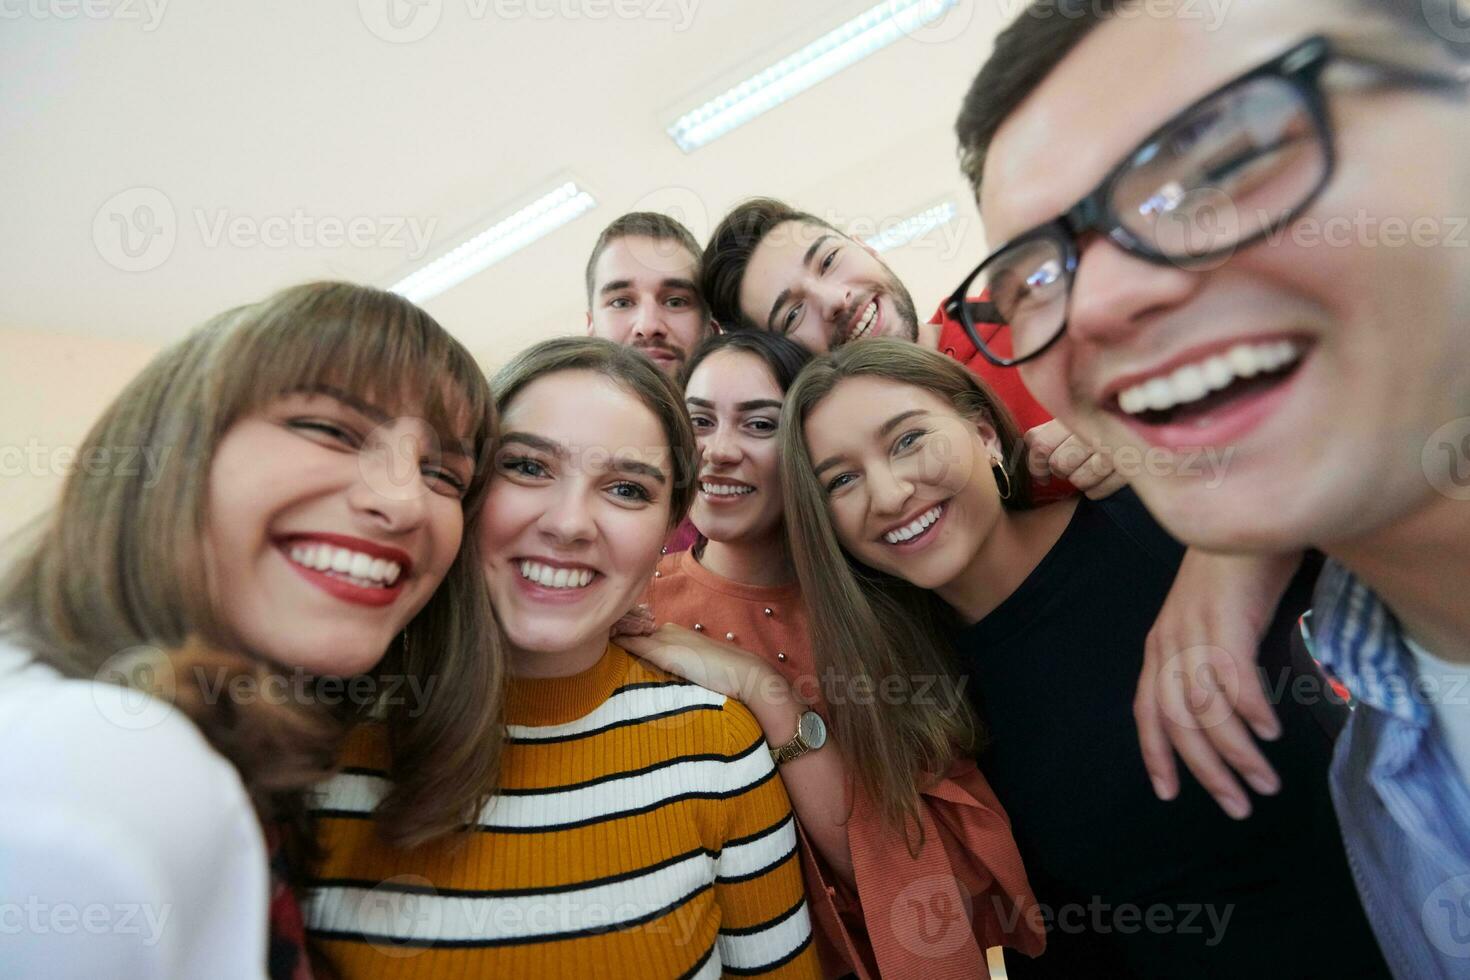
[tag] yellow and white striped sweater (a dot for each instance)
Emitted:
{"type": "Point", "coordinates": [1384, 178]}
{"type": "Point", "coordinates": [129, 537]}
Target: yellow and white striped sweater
{"type": "Point", "coordinates": [641, 832]}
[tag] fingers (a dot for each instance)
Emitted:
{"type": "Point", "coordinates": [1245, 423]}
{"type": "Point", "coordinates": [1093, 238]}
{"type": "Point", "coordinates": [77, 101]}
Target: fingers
{"type": "Point", "coordinates": [1198, 694]}
{"type": "Point", "coordinates": [1252, 705]}
{"type": "Point", "coordinates": [1097, 477]}
{"type": "Point", "coordinates": [1179, 701]}
{"type": "Point", "coordinates": [637, 621]}
{"type": "Point", "coordinates": [1158, 751]}
{"type": "Point", "coordinates": [1041, 444]}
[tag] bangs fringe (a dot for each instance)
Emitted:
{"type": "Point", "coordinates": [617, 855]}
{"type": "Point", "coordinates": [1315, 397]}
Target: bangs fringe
{"type": "Point", "coordinates": [361, 340]}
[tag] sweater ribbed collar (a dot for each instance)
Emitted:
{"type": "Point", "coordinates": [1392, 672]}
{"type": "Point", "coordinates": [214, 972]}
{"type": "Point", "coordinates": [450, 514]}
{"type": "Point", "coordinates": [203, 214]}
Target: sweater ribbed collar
{"type": "Point", "coordinates": [541, 701]}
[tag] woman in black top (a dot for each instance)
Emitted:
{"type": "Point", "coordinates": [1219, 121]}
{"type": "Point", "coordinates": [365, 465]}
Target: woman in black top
{"type": "Point", "coordinates": [916, 551]}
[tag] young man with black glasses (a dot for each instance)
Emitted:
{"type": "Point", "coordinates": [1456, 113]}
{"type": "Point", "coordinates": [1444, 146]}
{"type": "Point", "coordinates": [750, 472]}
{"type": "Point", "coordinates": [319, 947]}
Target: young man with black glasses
{"type": "Point", "coordinates": [1252, 240]}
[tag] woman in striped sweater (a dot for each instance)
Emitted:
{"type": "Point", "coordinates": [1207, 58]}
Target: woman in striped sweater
{"type": "Point", "coordinates": [639, 829]}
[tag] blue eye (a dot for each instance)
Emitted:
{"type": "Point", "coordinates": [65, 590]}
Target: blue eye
{"type": "Point", "coordinates": [908, 439]}
{"type": "Point", "coordinates": [838, 482]}
{"type": "Point", "coordinates": [522, 466]}
{"type": "Point", "coordinates": [635, 491]}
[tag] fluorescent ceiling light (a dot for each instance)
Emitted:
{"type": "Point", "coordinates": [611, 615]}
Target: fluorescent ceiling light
{"type": "Point", "coordinates": [912, 227]}
{"type": "Point", "coordinates": [507, 236]}
{"type": "Point", "coordinates": [866, 33]}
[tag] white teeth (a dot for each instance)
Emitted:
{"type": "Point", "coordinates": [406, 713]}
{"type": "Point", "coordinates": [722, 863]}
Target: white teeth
{"type": "Point", "coordinates": [555, 578]}
{"type": "Point", "coordinates": [724, 489]}
{"type": "Point", "coordinates": [1191, 382]}
{"type": "Point", "coordinates": [866, 323]}
{"type": "Point", "coordinates": [361, 569]}
{"type": "Point", "coordinates": [916, 527]}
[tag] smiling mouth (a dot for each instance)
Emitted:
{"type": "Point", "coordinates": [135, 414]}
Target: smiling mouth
{"type": "Point", "coordinates": [864, 322]}
{"type": "Point", "coordinates": [726, 491]}
{"type": "Point", "coordinates": [549, 577]}
{"type": "Point", "coordinates": [917, 528]}
{"type": "Point", "coordinates": [1196, 390]}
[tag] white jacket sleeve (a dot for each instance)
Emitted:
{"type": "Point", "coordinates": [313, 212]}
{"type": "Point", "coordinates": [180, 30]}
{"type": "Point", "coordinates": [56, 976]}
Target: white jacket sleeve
{"type": "Point", "coordinates": [128, 847]}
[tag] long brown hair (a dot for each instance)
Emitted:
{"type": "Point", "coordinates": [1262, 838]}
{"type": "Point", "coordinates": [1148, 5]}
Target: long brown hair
{"type": "Point", "coordinates": [869, 626]}
{"type": "Point", "coordinates": [119, 564]}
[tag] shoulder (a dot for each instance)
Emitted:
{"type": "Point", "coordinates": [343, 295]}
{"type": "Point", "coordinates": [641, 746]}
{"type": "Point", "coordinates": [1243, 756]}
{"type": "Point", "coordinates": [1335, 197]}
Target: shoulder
{"type": "Point", "coordinates": [1126, 515]}
{"type": "Point", "coordinates": [103, 755]}
{"type": "Point", "coordinates": [113, 797]}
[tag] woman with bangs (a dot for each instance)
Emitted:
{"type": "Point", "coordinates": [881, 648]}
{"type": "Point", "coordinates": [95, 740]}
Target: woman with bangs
{"type": "Point", "coordinates": [736, 591]}
{"type": "Point", "coordinates": [916, 548]}
{"type": "Point", "coordinates": [182, 645]}
{"type": "Point", "coordinates": [638, 829]}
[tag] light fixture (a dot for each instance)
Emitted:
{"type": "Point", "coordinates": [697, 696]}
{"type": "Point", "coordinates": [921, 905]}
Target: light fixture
{"type": "Point", "coordinates": [505, 237]}
{"type": "Point", "coordinates": [912, 227]}
{"type": "Point", "coordinates": [870, 31]}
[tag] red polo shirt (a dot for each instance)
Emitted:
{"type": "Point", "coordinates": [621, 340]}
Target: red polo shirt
{"type": "Point", "coordinates": [1005, 382]}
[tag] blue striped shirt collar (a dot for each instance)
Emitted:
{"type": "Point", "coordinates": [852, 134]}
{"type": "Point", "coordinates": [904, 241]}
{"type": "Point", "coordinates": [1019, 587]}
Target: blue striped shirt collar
{"type": "Point", "coordinates": [1358, 639]}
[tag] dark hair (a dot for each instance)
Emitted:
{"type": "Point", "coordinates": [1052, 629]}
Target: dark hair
{"type": "Point", "coordinates": [730, 247]}
{"type": "Point", "coordinates": [784, 356]}
{"type": "Point", "coordinates": [1043, 34]}
{"type": "Point", "coordinates": [635, 374]}
{"type": "Point", "coordinates": [641, 224]}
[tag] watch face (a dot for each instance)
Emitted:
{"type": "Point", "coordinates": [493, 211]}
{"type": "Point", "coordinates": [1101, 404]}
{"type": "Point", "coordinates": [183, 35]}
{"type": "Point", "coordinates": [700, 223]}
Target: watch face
{"type": "Point", "coordinates": [813, 729]}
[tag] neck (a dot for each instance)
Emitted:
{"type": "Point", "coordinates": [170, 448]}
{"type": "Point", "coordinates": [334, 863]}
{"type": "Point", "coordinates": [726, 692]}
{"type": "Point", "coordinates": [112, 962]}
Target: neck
{"type": "Point", "coordinates": [750, 561]}
{"type": "Point", "coordinates": [929, 335]}
{"type": "Point", "coordinates": [1419, 566]}
{"type": "Point", "coordinates": [1008, 554]}
{"type": "Point", "coordinates": [542, 664]}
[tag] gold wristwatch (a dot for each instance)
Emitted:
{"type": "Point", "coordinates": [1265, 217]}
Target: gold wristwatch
{"type": "Point", "coordinates": [811, 734]}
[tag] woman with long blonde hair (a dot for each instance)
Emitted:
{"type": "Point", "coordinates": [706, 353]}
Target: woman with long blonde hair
{"type": "Point", "coordinates": [260, 544]}
{"type": "Point", "coordinates": [916, 550]}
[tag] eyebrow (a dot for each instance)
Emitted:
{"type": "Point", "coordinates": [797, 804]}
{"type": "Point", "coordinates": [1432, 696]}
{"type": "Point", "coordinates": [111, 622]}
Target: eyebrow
{"type": "Point", "coordinates": [749, 406]}
{"type": "Point", "coordinates": [886, 428]}
{"type": "Point", "coordinates": [620, 284]}
{"type": "Point", "coordinates": [560, 452]}
{"type": "Point", "coordinates": [785, 294]}
{"type": "Point", "coordinates": [447, 445]}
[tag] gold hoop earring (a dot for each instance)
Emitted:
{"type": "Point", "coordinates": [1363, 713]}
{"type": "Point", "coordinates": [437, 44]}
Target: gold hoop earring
{"type": "Point", "coordinates": [1003, 477]}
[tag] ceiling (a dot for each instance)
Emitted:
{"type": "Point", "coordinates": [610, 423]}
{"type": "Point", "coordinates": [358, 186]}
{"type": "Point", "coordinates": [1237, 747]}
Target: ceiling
{"type": "Point", "coordinates": [267, 143]}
